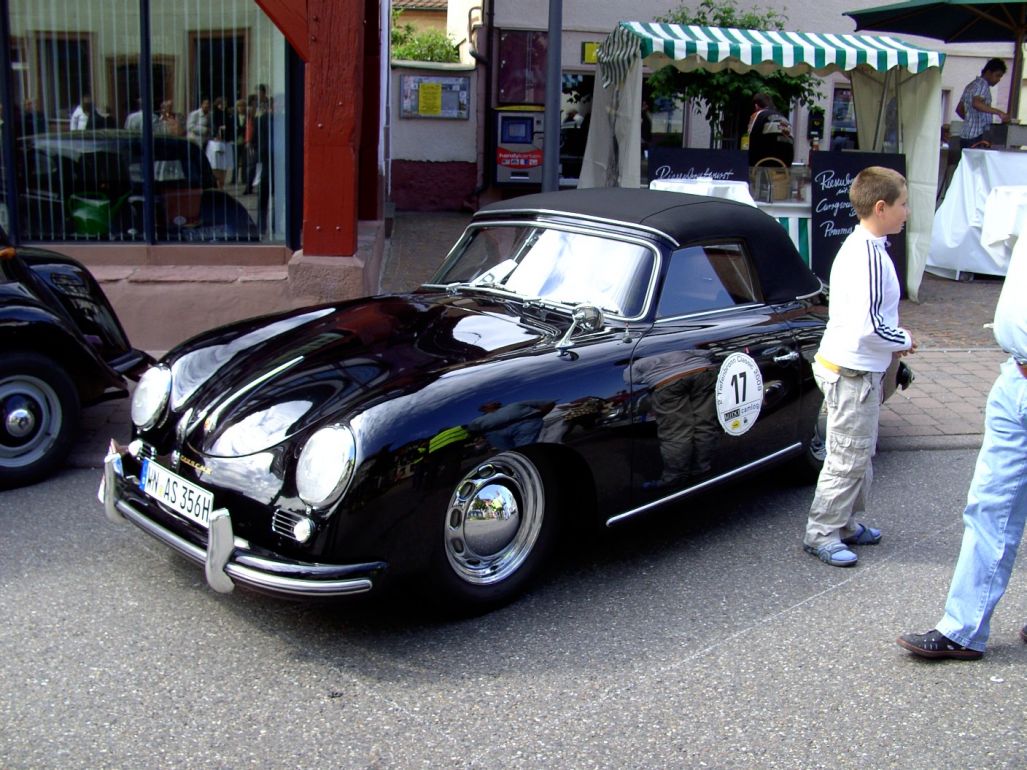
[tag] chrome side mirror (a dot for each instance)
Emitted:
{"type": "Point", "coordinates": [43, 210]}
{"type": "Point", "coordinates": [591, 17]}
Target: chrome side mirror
{"type": "Point", "coordinates": [588, 318]}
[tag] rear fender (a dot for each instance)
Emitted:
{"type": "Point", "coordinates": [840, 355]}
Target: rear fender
{"type": "Point", "coordinates": [35, 328]}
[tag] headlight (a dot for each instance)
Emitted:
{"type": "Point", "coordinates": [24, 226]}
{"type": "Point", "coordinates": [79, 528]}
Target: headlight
{"type": "Point", "coordinates": [326, 465]}
{"type": "Point", "coordinates": [151, 396]}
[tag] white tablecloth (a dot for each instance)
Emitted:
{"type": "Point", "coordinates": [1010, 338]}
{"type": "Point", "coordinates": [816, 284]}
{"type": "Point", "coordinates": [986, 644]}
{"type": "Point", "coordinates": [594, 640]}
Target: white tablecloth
{"type": "Point", "coordinates": [957, 244]}
{"type": "Point", "coordinates": [736, 191]}
{"type": "Point", "coordinates": [1005, 216]}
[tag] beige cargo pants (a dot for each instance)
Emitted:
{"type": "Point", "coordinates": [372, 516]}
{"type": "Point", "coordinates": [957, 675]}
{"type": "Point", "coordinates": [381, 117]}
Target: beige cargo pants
{"type": "Point", "coordinates": [853, 411]}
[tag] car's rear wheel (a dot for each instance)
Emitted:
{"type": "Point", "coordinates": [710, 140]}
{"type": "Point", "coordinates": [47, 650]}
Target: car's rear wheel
{"type": "Point", "coordinates": [39, 414]}
{"type": "Point", "coordinates": [815, 450]}
{"type": "Point", "coordinates": [499, 526]}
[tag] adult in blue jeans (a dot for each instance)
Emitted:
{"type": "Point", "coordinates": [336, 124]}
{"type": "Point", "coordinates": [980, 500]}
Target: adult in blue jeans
{"type": "Point", "coordinates": [996, 505]}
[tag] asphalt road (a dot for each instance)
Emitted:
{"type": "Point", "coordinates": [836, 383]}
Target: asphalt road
{"type": "Point", "coordinates": [689, 639]}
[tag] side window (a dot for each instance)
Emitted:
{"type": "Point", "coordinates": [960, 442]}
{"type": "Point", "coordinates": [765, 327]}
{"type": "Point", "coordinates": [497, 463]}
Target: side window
{"type": "Point", "coordinates": [709, 277]}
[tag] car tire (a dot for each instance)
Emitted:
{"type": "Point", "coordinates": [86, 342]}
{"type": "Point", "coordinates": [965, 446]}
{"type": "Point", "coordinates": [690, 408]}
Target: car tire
{"type": "Point", "coordinates": [486, 559]}
{"type": "Point", "coordinates": [39, 409]}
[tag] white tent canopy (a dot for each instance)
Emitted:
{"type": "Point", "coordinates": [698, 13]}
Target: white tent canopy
{"type": "Point", "coordinates": [880, 68]}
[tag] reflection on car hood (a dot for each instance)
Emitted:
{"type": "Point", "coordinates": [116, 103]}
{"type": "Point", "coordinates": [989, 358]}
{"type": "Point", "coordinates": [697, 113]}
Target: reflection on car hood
{"type": "Point", "coordinates": [245, 388]}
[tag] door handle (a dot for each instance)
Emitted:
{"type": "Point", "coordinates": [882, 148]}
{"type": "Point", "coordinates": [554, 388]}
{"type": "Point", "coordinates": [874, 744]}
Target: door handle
{"type": "Point", "coordinates": [785, 358]}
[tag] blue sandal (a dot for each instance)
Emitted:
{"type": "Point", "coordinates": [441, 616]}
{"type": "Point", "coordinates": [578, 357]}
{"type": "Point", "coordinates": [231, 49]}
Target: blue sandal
{"type": "Point", "coordinates": [865, 536]}
{"type": "Point", "coordinates": [835, 554]}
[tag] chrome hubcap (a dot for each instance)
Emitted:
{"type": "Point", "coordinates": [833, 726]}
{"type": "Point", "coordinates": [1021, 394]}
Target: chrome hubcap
{"type": "Point", "coordinates": [30, 420]}
{"type": "Point", "coordinates": [20, 421]}
{"type": "Point", "coordinates": [494, 519]}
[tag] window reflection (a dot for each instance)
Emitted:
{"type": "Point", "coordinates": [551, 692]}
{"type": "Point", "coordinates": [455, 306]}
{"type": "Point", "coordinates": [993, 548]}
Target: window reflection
{"type": "Point", "coordinates": [215, 77]}
{"type": "Point", "coordinates": [556, 265]}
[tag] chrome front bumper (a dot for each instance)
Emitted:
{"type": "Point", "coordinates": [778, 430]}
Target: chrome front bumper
{"type": "Point", "coordinates": [227, 560]}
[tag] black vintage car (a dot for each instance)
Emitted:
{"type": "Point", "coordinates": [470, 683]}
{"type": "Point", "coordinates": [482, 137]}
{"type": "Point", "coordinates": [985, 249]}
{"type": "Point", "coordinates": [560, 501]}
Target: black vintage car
{"type": "Point", "coordinates": [88, 185]}
{"type": "Point", "coordinates": [578, 359]}
{"type": "Point", "coordinates": [61, 347]}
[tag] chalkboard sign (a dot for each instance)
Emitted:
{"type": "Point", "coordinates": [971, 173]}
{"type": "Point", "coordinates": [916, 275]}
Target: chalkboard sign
{"type": "Point", "coordinates": [692, 163]}
{"type": "Point", "coordinates": [833, 217]}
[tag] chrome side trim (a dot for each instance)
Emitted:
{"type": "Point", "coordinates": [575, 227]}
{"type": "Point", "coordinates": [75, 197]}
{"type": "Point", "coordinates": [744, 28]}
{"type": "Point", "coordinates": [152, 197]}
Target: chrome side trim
{"type": "Point", "coordinates": [709, 482]}
{"type": "Point", "coordinates": [562, 216]}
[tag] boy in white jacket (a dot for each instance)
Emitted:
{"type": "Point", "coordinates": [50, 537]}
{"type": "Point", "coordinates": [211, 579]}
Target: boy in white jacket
{"type": "Point", "coordinates": [861, 337]}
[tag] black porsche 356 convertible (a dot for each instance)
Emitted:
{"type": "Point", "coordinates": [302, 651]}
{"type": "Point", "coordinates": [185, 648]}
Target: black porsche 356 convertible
{"type": "Point", "coordinates": [578, 359]}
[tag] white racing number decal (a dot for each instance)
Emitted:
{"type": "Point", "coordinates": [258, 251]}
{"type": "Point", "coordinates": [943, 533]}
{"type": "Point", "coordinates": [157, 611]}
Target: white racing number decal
{"type": "Point", "coordinates": [739, 393]}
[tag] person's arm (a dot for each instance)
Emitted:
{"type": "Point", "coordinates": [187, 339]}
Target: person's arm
{"type": "Point", "coordinates": [883, 335]}
{"type": "Point", "coordinates": [982, 106]}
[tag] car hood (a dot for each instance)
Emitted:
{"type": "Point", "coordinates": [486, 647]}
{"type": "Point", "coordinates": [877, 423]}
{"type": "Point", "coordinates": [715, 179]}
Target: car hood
{"type": "Point", "coordinates": [245, 388]}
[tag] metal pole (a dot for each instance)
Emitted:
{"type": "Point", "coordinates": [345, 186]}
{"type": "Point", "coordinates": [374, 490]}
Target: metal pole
{"type": "Point", "coordinates": [554, 91]}
{"type": "Point", "coordinates": [10, 125]}
{"type": "Point", "coordinates": [149, 234]}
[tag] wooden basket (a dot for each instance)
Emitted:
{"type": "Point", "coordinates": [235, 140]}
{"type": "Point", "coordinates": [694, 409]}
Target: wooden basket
{"type": "Point", "coordinates": [770, 180]}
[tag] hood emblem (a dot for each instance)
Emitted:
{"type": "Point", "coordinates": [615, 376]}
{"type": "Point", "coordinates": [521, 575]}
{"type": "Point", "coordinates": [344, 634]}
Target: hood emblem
{"type": "Point", "coordinates": [199, 467]}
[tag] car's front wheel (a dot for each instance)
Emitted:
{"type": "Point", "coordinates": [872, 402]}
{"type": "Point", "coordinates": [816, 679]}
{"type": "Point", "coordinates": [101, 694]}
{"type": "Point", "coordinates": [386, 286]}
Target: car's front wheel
{"type": "Point", "coordinates": [39, 414]}
{"type": "Point", "coordinates": [499, 526]}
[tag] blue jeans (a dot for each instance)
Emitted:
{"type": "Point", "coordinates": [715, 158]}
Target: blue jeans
{"type": "Point", "coordinates": [996, 508]}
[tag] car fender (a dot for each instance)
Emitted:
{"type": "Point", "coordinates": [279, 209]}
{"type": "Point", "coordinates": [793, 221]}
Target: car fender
{"type": "Point", "coordinates": [431, 438]}
{"type": "Point", "coordinates": [29, 325]}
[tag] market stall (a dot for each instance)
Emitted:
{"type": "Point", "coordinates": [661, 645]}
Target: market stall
{"type": "Point", "coordinates": [887, 76]}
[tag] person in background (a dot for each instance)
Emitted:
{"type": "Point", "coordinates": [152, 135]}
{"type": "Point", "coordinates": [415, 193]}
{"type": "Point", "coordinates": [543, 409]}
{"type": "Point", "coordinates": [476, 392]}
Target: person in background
{"type": "Point", "coordinates": [975, 104]}
{"type": "Point", "coordinates": [263, 140]}
{"type": "Point", "coordinates": [647, 127]}
{"type": "Point", "coordinates": [32, 120]}
{"type": "Point", "coordinates": [218, 117]}
{"type": "Point", "coordinates": [236, 125]}
{"type": "Point", "coordinates": [198, 125]}
{"type": "Point", "coordinates": [861, 337]}
{"type": "Point", "coordinates": [169, 122]}
{"type": "Point", "coordinates": [84, 116]}
{"type": "Point", "coordinates": [770, 132]}
{"type": "Point", "coordinates": [996, 504]}
{"type": "Point", "coordinates": [134, 121]}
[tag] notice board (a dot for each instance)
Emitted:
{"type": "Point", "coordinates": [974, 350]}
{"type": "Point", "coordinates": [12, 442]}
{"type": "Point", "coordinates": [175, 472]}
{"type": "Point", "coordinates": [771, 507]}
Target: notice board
{"type": "Point", "coordinates": [693, 163]}
{"type": "Point", "coordinates": [833, 217]}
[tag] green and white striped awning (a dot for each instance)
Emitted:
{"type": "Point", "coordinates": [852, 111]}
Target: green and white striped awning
{"type": "Point", "coordinates": [690, 47]}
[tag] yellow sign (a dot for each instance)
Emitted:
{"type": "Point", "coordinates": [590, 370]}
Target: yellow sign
{"type": "Point", "coordinates": [429, 99]}
{"type": "Point", "coordinates": [588, 52]}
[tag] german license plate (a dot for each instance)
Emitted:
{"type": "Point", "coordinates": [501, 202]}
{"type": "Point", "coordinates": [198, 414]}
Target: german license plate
{"type": "Point", "coordinates": [181, 496]}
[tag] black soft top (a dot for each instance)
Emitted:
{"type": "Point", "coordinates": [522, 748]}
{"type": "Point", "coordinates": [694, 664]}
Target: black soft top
{"type": "Point", "coordinates": [683, 219]}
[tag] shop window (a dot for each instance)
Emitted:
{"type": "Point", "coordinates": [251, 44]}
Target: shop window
{"type": "Point", "coordinates": [843, 120]}
{"type": "Point", "coordinates": [216, 77]}
{"type": "Point", "coordinates": [64, 73]}
{"type": "Point", "coordinates": [522, 71]}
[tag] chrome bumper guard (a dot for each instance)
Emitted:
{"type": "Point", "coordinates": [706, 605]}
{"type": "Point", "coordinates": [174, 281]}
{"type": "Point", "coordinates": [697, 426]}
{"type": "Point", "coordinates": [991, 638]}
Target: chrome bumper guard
{"type": "Point", "coordinates": [225, 561]}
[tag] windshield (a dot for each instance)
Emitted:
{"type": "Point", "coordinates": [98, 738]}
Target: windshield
{"type": "Point", "coordinates": [556, 265]}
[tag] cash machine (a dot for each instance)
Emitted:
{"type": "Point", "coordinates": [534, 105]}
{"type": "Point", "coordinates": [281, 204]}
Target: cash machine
{"type": "Point", "coordinates": [519, 146]}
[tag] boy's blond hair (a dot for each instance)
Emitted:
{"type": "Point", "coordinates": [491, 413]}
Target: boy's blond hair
{"type": "Point", "coordinates": [873, 184]}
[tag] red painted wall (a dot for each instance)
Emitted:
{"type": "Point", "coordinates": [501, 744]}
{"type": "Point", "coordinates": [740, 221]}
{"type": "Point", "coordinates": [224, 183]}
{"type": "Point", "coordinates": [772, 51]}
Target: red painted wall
{"type": "Point", "coordinates": [428, 186]}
